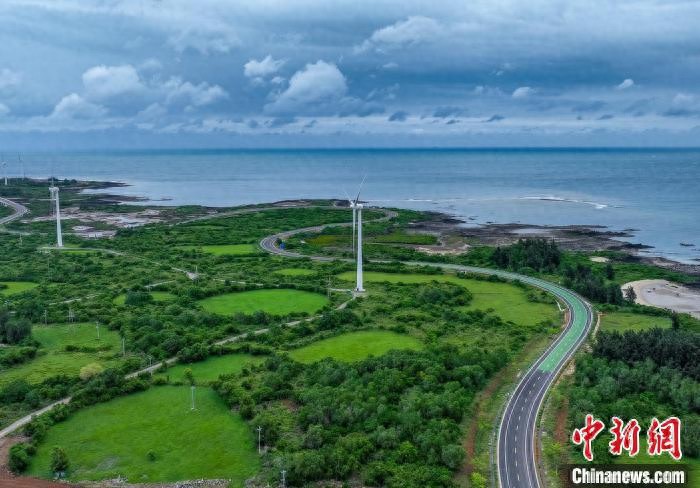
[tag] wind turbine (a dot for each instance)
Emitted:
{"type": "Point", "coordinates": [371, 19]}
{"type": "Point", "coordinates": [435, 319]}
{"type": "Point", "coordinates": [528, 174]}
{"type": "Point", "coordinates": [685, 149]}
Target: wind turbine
{"type": "Point", "coordinates": [3, 163]}
{"type": "Point", "coordinates": [21, 163]}
{"type": "Point", "coordinates": [53, 190]}
{"type": "Point", "coordinates": [357, 210]}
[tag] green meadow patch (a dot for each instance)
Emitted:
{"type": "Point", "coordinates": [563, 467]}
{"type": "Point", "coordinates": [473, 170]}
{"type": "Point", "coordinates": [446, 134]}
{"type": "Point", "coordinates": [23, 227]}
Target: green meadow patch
{"type": "Point", "coordinates": [226, 249]}
{"type": "Point", "coordinates": [279, 301]}
{"type": "Point", "coordinates": [355, 346]}
{"type": "Point", "coordinates": [64, 350]}
{"type": "Point", "coordinates": [158, 296]}
{"type": "Point", "coordinates": [14, 287]}
{"type": "Point", "coordinates": [508, 301]}
{"type": "Point", "coordinates": [622, 321]}
{"type": "Point", "coordinates": [295, 272]}
{"type": "Point", "coordinates": [153, 436]}
{"type": "Point", "coordinates": [211, 368]}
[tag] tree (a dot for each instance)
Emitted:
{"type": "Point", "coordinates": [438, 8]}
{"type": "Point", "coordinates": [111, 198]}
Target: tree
{"type": "Point", "coordinates": [59, 460]}
{"type": "Point", "coordinates": [19, 458]}
{"type": "Point", "coordinates": [609, 271]}
{"type": "Point", "coordinates": [14, 330]}
{"type": "Point", "coordinates": [630, 294]}
{"type": "Point", "coordinates": [90, 371]}
{"type": "Point", "coordinates": [189, 375]}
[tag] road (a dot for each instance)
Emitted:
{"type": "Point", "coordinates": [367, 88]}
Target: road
{"type": "Point", "coordinates": [517, 448]}
{"type": "Point", "coordinates": [19, 209]}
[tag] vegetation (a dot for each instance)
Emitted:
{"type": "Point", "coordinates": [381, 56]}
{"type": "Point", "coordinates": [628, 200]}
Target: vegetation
{"type": "Point", "coordinates": [275, 302]}
{"type": "Point", "coordinates": [624, 321]}
{"type": "Point", "coordinates": [391, 420]}
{"type": "Point", "coordinates": [185, 444]}
{"type": "Point", "coordinates": [355, 346]}
{"type": "Point", "coordinates": [211, 368]}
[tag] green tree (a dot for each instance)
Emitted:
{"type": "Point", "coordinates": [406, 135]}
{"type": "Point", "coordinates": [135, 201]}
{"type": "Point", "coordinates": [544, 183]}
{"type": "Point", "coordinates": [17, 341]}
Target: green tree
{"type": "Point", "coordinates": [59, 460]}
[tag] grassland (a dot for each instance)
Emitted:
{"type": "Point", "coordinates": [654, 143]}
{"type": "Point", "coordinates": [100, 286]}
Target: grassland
{"type": "Point", "coordinates": [114, 439]}
{"type": "Point", "coordinates": [15, 287]}
{"type": "Point", "coordinates": [355, 346]}
{"type": "Point", "coordinates": [53, 359]}
{"type": "Point", "coordinates": [158, 296]}
{"type": "Point", "coordinates": [507, 301]}
{"type": "Point", "coordinates": [226, 249]}
{"type": "Point", "coordinates": [272, 301]}
{"type": "Point", "coordinates": [211, 368]}
{"type": "Point", "coordinates": [621, 322]}
{"type": "Point", "coordinates": [295, 272]}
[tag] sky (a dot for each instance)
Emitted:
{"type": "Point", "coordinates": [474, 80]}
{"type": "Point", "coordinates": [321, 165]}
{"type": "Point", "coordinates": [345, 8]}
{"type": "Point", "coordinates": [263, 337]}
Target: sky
{"type": "Point", "coordinates": [111, 74]}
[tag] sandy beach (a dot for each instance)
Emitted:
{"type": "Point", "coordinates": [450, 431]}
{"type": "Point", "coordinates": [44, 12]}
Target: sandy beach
{"type": "Point", "coordinates": [666, 294]}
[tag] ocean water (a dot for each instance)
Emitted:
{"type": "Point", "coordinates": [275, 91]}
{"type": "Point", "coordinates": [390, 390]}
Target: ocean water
{"type": "Point", "coordinates": [655, 192]}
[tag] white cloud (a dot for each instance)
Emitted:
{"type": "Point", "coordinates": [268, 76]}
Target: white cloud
{"type": "Point", "coordinates": [413, 30]}
{"type": "Point", "coordinates": [318, 83]}
{"type": "Point", "coordinates": [263, 68]}
{"type": "Point", "coordinates": [627, 83]}
{"type": "Point", "coordinates": [103, 82]}
{"type": "Point", "coordinates": [178, 91]}
{"type": "Point", "coordinates": [523, 92]}
{"type": "Point", "coordinates": [74, 106]}
{"type": "Point", "coordinates": [9, 78]}
{"type": "Point", "coordinates": [206, 40]}
{"type": "Point", "coordinates": [4, 109]}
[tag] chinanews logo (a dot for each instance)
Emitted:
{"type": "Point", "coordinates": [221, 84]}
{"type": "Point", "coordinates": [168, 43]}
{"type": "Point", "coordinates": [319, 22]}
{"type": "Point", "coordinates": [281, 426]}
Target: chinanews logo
{"type": "Point", "coordinates": [663, 438]}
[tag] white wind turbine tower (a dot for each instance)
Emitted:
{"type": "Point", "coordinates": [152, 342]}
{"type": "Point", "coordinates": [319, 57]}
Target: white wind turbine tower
{"type": "Point", "coordinates": [357, 218]}
{"type": "Point", "coordinates": [3, 163]}
{"type": "Point", "coordinates": [53, 190]}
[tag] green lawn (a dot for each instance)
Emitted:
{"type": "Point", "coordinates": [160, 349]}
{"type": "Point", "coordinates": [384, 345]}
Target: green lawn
{"type": "Point", "coordinates": [158, 296]}
{"type": "Point", "coordinates": [211, 368]}
{"type": "Point", "coordinates": [508, 301]}
{"type": "Point", "coordinates": [621, 322]}
{"type": "Point", "coordinates": [295, 272]}
{"type": "Point", "coordinates": [355, 346]}
{"type": "Point", "coordinates": [273, 301]}
{"type": "Point", "coordinates": [15, 287]}
{"type": "Point", "coordinates": [114, 438]}
{"type": "Point", "coordinates": [52, 358]}
{"type": "Point", "coordinates": [226, 249]}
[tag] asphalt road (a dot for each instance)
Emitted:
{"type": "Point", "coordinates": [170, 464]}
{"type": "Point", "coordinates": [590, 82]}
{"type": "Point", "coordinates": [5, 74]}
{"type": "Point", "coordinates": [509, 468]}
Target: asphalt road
{"type": "Point", "coordinates": [517, 449]}
{"type": "Point", "coordinates": [19, 209]}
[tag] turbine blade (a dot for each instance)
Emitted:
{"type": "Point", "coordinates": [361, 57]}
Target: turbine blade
{"type": "Point", "coordinates": [360, 189]}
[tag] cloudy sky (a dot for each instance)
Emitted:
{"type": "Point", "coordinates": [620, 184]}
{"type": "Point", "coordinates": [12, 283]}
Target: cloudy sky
{"type": "Point", "coordinates": [274, 73]}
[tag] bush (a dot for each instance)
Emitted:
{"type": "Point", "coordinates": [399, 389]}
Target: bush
{"type": "Point", "coordinates": [19, 457]}
{"type": "Point", "coordinates": [59, 460]}
{"type": "Point", "coordinates": [90, 371]}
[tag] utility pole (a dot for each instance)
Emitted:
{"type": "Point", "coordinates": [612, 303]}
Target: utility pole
{"type": "Point", "coordinates": [259, 429]}
{"type": "Point", "coordinates": [46, 317]}
{"type": "Point", "coordinates": [284, 480]}
{"type": "Point", "coordinates": [71, 315]}
{"type": "Point", "coordinates": [123, 346]}
{"type": "Point", "coordinates": [97, 326]}
{"type": "Point", "coordinates": [193, 405]}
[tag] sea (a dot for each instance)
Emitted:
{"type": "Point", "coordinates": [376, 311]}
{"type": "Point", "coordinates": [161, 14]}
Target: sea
{"type": "Point", "coordinates": [655, 192]}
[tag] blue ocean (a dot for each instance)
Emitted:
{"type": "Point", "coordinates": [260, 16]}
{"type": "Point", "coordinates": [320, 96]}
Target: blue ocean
{"type": "Point", "coordinates": [653, 191]}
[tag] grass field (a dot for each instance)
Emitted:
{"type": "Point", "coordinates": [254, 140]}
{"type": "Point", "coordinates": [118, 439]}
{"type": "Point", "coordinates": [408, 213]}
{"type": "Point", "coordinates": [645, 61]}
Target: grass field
{"type": "Point", "coordinates": [508, 301]}
{"type": "Point", "coordinates": [53, 359]}
{"type": "Point", "coordinates": [295, 272]}
{"type": "Point", "coordinates": [355, 346]}
{"type": "Point", "coordinates": [15, 287]}
{"type": "Point", "coordinates": [226, 249]}
{"type": "Point", "coordinates": [212, 367]}
{"type": "Point", "coordinates": [621, 322]}
{"type": "Point", "coordinates": [158, 296]}
{"type": "Point", "coordinates": [272, 301]}
{"type": "Point", "coordinates": [114, 438]}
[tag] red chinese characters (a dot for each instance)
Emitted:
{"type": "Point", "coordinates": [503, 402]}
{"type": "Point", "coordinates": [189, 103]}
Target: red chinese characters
{"type": "Point", "coordinates": [587, 434]}
{"type": "Point", "coordinates": [625, 437]}
{"type": "Point", "coordinates": [662, 437]}
{"type": "Point", "coordinates": [665, 437]}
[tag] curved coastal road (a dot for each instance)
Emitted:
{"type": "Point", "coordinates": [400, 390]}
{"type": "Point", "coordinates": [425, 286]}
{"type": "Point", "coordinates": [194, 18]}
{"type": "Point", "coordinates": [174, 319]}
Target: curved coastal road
{"type": "Point", "coordinates": [19, 209]}
{"type": "Point", "coordinates": [517, 452]}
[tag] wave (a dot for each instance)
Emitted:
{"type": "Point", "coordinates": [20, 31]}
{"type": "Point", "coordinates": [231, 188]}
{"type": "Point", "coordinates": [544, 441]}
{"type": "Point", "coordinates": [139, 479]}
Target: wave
{"type": "Point", "coordinates": [552, 198]}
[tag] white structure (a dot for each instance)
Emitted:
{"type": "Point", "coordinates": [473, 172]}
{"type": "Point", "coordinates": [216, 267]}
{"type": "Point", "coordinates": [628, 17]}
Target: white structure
{"type": "Point", "coordinates": [54, 198]}
{"type": "Point", "coordinates": [4, 169]}
{"type": "Point", "coordinates": [359, 287]}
